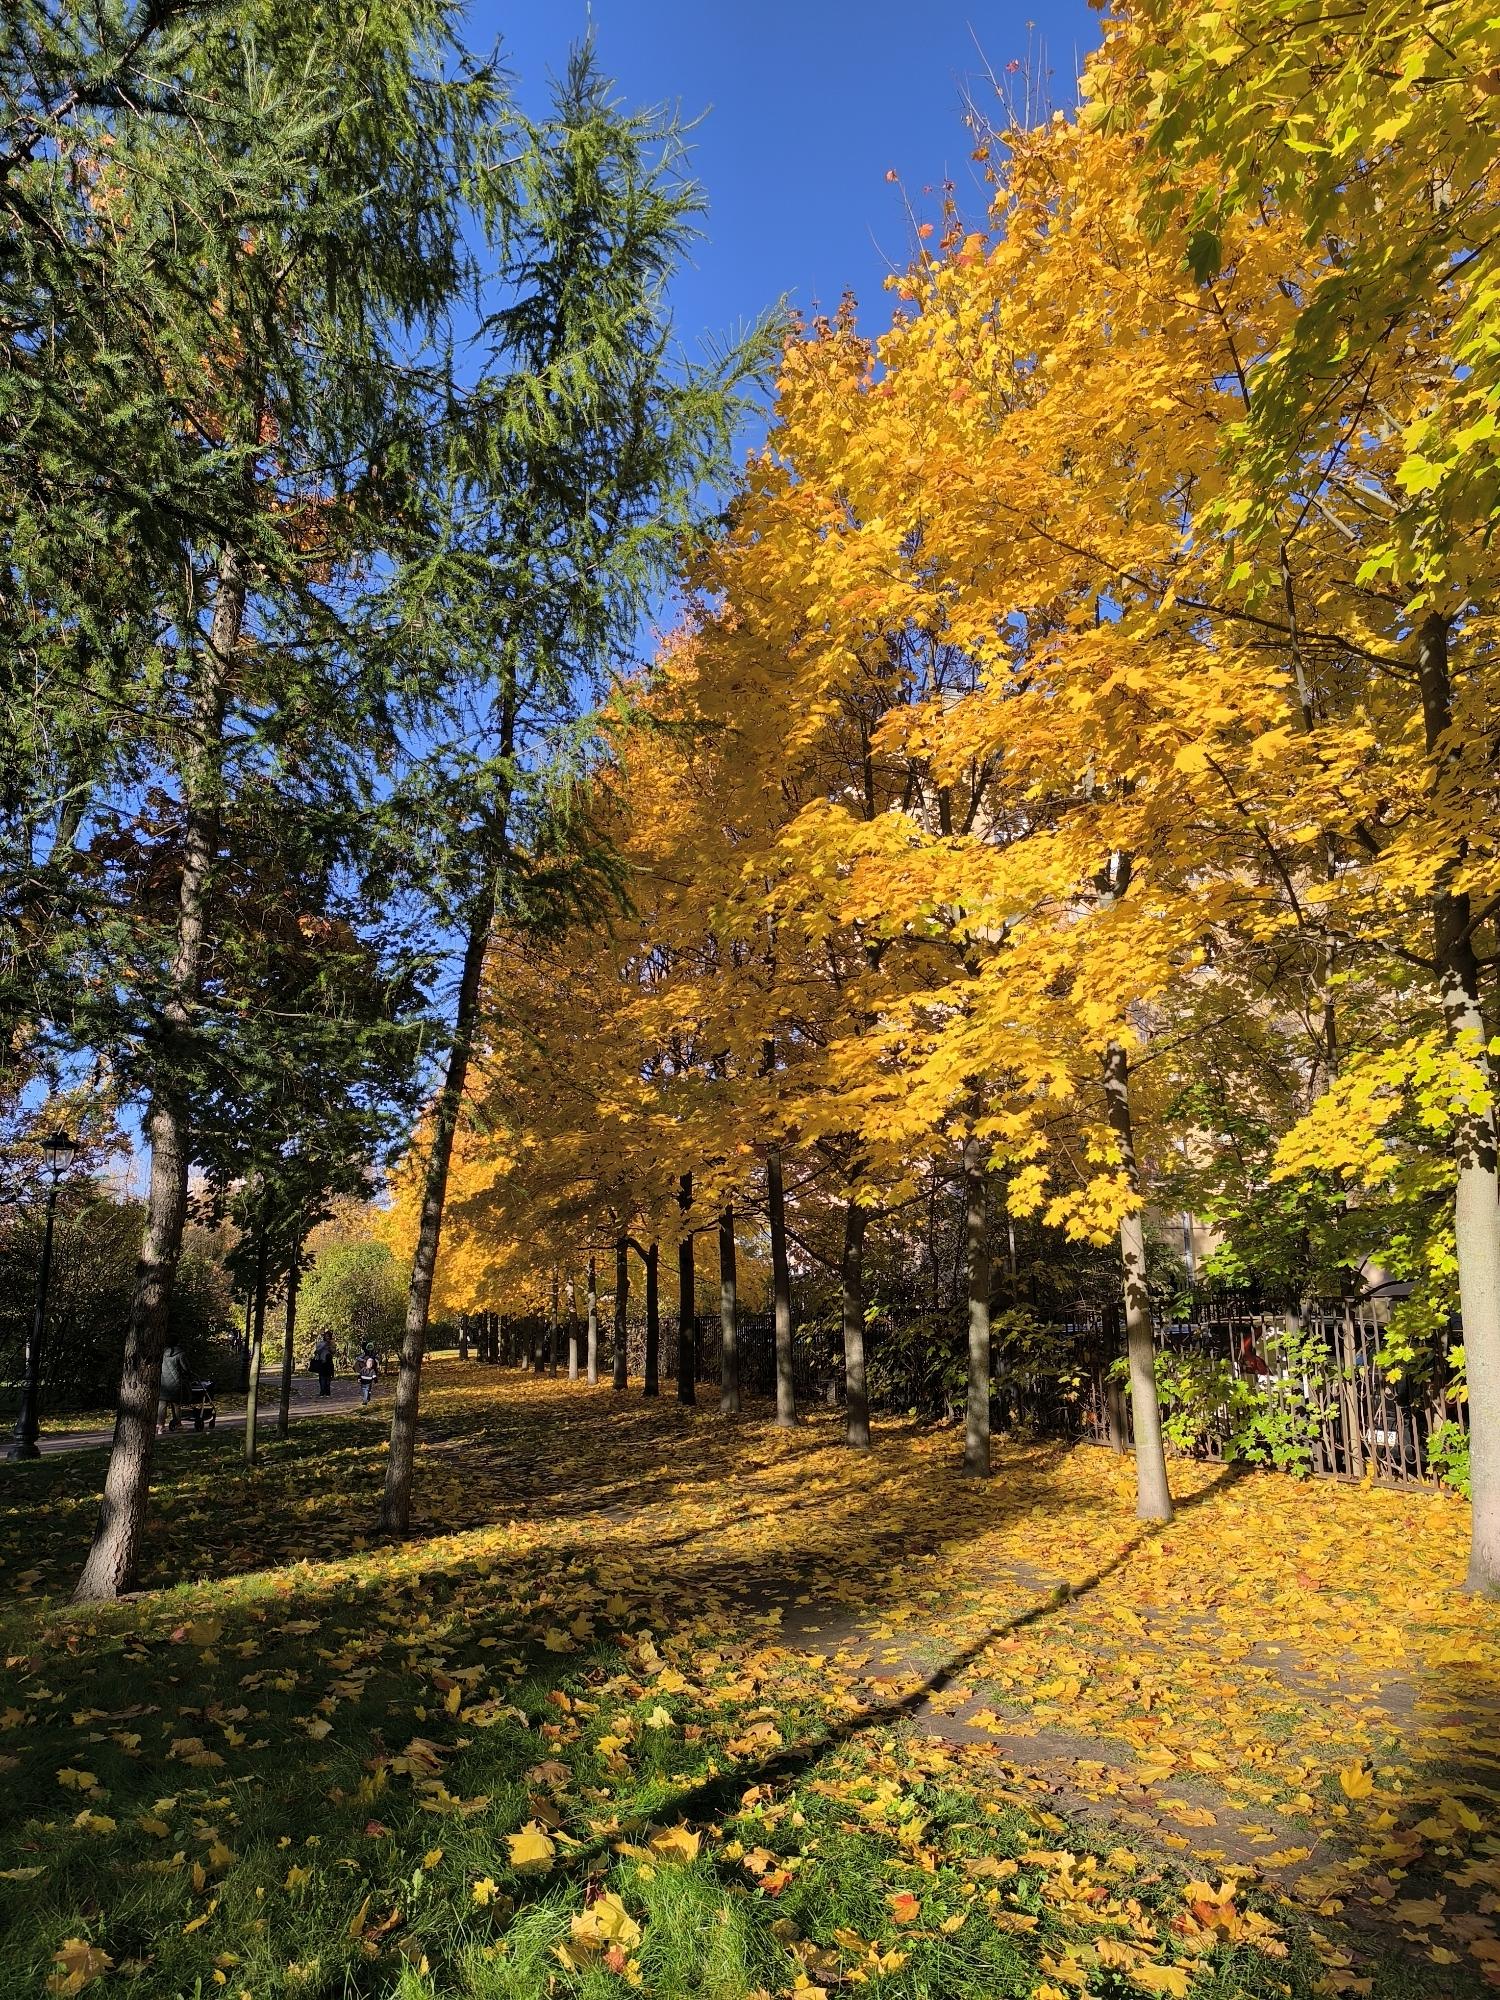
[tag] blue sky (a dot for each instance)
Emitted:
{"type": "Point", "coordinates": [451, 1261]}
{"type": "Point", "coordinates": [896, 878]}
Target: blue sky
{"type": "Point", "coordinates": [805, 105]}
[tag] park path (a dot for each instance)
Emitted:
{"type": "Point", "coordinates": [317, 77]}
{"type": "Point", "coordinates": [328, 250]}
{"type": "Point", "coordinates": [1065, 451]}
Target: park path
{"type": "Point", "coordinates": [345, 1396]}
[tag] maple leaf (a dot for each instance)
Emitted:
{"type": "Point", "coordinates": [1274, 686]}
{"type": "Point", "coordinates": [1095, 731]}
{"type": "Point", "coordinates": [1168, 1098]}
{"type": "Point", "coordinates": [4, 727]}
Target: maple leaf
{"type": "Point", "coordinates": [1171, 1981]}
{"type": "Point", "coordinates": [77, 1963]}
{"type": "Point", "coordinates": [678, 1843]}
{"type": "Point", "coordinates": [531, 1850]}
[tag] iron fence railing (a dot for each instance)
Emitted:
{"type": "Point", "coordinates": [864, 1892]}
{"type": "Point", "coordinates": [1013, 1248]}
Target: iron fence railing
{"type": "Point", "coordinates": [1312, 1363]}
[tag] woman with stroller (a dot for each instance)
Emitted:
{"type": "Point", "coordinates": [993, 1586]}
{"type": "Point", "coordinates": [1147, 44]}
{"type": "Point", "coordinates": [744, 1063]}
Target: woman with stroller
{"type": "Point", "coordinates": [322, 1363]}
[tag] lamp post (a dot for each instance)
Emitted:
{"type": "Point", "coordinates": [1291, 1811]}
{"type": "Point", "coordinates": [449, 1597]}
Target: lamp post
{"type": "Point", "coordinates": [57, 1150]}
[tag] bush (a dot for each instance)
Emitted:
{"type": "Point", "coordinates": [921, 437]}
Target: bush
{"type": "Point", "coordinates": [96, 1241]}
{"type": "Point", "coordinates": [356, 1293]}
{"type": "Point", "coordinates": [1448, 1456]}
{"type": "Point", "coordinates": [1262, 1421]}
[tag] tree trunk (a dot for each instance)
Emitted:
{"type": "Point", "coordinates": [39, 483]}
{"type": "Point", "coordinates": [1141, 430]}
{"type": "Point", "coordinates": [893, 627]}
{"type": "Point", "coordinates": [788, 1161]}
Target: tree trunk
{"type": "Point", "coordinates": [687, 1300]}
{"type": "Point", "coordinates": [552, 1340]}
{"type": "Point", "coordinates": [395, 1512]}
{"type": "Point", "coordinates": [852, 1285]}
{"type": "Point", "coordinates": [288, 1344]}
{"type": "Point", "coordinates": [257, 1351]}
{"type": "Point", "coordinates": [1153, 1495]}
{"type": "Point", "coordinates": [977, 1240]}
{"type": "Point", "coordinates": [572, 1331]}
{"type": "Point", "coordinates": [592, 1350]}
{"type": "Point", "coordinates": [729, 1325]}
{"type": "Point", "coordinates": [245, 1351]}
{"type": "Point", "coordinates": [781, 1290]}
{"type": "Point", "coordinates": [621, 1359]}
{"type": "Point", "coordinates": [1114, 1401]}
{"type": "Point", "coordinates": [1476, 1141]}
{"type": "Point", "coordinates": [110, 1566]}
{"type": "Point", "coordinates": [653, 1326]}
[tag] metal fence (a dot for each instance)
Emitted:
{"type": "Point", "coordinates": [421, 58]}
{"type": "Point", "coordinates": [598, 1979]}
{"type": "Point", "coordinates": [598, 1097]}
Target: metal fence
{"type": "Point", "coordinates": [1311, 1364]}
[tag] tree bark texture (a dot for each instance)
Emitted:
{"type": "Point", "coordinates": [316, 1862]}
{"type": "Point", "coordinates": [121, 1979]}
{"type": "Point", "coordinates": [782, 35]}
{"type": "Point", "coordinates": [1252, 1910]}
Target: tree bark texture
{"type": "Point", "coordinates": [288, 1343]}
{"type": "Point", "coordinates": [395, 1512]}
{"type": "Point", "coordinates": [257, 1350]}
{"type": "Point", "coordinates": [1153, 1500]}
{"type": "Point", "coordinates": [652, 1386]}
{"type": "Point", "coordinates": [977, 1246]}
{"type": "Point", "coordinates": [620, 1359]}
{"type": "Point", "coordinates": [591, 1348]}
{"type": "Point", "coordinates": [729, 1324]}
{"type": "Point", "coordinates": [781, 1290]}
{"type": "Point", "coordinates": [114, 1555]}
{"type": "Point", "coordinates": [852, 1289]}
{"type": "Point", "coordinates": [687, 1288]}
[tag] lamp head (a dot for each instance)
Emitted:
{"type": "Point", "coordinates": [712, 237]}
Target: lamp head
{"type": "Point", "coordinates": [58, 1149]}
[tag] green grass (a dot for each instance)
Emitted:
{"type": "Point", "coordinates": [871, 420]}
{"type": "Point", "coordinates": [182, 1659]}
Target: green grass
{"type": "Point", "coordinates": [300, 1777]}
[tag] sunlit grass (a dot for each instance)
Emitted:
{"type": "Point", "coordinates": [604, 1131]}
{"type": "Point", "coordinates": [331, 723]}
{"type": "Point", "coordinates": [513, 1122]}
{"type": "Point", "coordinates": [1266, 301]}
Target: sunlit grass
{"type": "Point", "coordinates": [301, 1776]}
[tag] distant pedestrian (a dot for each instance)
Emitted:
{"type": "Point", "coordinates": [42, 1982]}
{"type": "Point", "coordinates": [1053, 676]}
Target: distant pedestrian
{"type": "Point", "coordinates": [174, 1389]}
{"type": "Point", "coordinates": [369, 1369]}
{"type": "Point", "coordinates": [322, 1361]}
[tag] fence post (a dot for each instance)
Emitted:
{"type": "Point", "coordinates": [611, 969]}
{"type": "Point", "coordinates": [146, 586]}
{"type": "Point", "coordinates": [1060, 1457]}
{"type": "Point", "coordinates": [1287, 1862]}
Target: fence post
{"type": "Point", "coordinates": [1354, 1439]}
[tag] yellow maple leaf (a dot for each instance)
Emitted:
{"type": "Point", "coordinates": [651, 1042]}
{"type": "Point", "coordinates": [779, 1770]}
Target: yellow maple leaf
{"type": "Point", "coordinates": [606, 1921]}
{"type": "Point", "coordinates": [1169, 1980]}
{"type": "Point", "coordinates": [531, 1850]}
{"type": "Point", "coordinates": [1356, 1782]}
{"type": "Point", "coordinates": [678, 1843]}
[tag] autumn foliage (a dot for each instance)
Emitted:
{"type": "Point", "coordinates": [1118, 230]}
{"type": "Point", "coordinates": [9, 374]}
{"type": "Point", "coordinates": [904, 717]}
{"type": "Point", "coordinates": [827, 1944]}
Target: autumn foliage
{"type": "Point", "coordinates": [1074, 765]}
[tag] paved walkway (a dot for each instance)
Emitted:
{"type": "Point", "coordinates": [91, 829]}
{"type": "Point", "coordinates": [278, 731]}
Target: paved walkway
{"type": "Point", "coordinates": [345, 1396]}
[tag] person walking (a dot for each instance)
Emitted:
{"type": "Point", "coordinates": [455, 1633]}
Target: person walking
{"type": "Point", "coordinates": [369, 1369]}
{"type": "Point", "coordinates": [322, 1361]}
{"type": "Point", "coordinates": [175, 1387]}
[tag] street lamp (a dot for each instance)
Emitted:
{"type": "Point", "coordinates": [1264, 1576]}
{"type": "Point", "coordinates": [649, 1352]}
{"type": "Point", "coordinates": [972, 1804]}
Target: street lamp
{"type": "Point", "coordinates": [57, 1150]}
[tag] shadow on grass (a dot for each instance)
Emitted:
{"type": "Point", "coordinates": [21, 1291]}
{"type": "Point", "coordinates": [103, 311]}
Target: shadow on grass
{"type": "Point", "coordinates": [590, 1488]}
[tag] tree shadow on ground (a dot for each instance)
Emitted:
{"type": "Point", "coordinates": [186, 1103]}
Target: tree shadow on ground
{"type": "Point", "coordinates": [628, 1517]}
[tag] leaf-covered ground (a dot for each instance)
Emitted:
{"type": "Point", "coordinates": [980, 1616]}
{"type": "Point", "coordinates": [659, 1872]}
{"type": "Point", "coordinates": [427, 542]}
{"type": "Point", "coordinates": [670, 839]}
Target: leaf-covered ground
{"type": "Point", "coordinates": [655, 1701]}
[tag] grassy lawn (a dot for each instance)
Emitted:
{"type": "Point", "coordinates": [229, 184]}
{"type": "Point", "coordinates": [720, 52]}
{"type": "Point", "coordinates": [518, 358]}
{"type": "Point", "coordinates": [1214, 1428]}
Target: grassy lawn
{"type": "Point", "coordinates": [652, 1701]}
